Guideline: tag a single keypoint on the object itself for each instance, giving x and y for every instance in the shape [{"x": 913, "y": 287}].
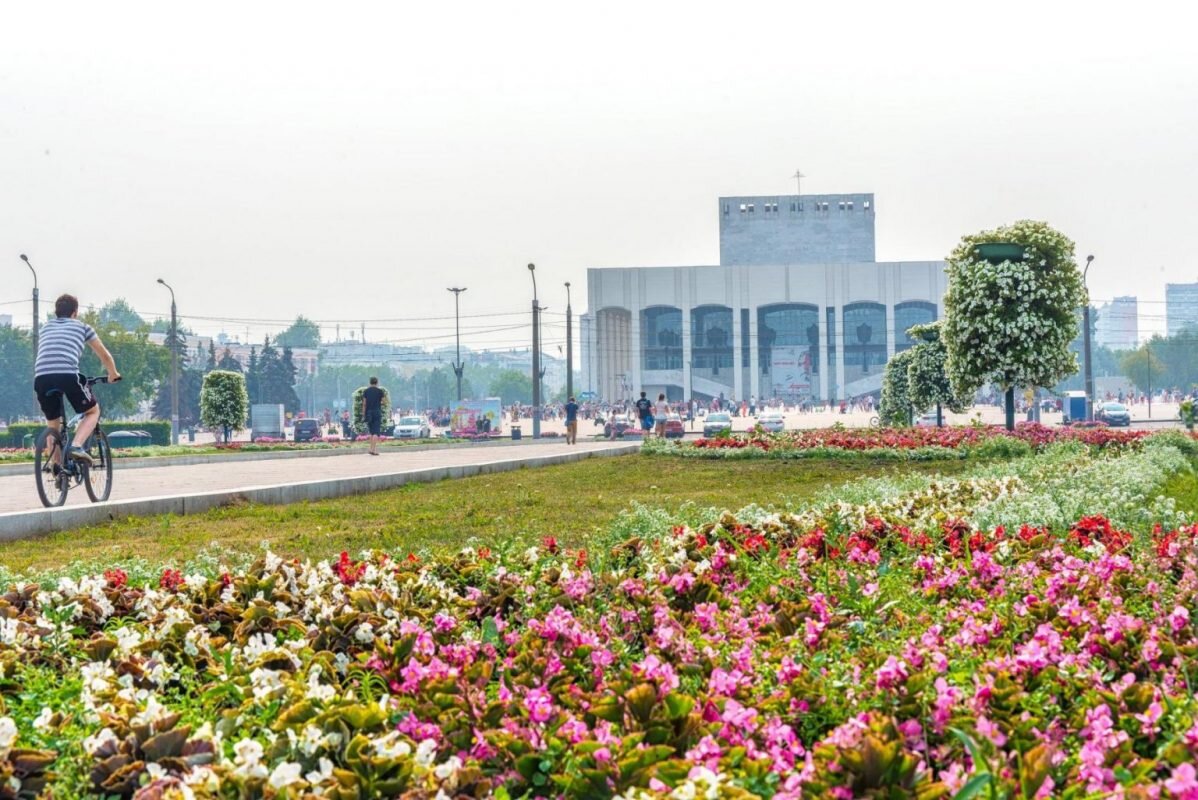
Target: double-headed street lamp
[
  {"x": 36, "y": 321},
  {"x": 458, "y": 366},
  {"x": 1089, "y": 367},
  {"x": 174, "y": 366},
  {"x": 569, "y": 345}
]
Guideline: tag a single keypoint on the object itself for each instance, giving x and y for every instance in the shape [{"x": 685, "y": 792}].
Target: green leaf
[
  {"x": 973, "y": 786},
  {"x": 491, "y": 632},
  {"x": 979, "y": 763},
  {"x": 679, "y": 705}
]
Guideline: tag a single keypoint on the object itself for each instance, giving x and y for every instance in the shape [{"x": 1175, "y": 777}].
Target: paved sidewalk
[{"x": 18, "y": 492}]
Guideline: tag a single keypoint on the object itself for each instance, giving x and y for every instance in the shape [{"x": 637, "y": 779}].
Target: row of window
[{"x": 795, "y": 207}]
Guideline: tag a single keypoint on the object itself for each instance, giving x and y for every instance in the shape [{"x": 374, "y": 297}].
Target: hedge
[{"x": 159, "y": 430}]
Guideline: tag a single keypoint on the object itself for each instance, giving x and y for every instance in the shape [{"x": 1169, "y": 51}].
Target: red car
[{"x": 674, "y": 427}]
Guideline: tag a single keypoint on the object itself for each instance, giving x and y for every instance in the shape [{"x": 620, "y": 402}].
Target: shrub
[{"x": 224, "y": 402}]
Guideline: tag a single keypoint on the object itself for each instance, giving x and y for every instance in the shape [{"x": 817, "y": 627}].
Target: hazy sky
[{"x": 350, "y": 161}]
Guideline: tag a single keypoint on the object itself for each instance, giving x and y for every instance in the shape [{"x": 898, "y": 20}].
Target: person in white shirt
[{"x": 660, "y": 410}]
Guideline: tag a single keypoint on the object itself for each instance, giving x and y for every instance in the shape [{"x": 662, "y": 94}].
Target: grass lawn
[{"x": 569, "y": 501}]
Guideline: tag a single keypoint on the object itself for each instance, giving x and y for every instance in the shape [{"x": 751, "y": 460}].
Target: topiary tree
[
  {"x": 359, "y": 420},
  {"x": 927, "y": 377},
  {"x": 1010, "y": 310},
  {"x": 224, "y": 402},
  {"x": 895, "y": 408}
]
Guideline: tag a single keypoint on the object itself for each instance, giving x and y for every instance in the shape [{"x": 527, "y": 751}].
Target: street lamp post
[
  {"x": 536, "y": 356},
  {"x": 174, "y": 366},
  {"x": 36, "y": 320},
  {"x": 458, "y": 366},
  {"x": 1086, "y": 346},
  {"x": 569, "y": 345}
]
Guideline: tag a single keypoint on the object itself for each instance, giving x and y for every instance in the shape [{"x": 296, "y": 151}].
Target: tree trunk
[
  {"x": 939, "y": 416},
  {"x": 1010, "y": 408}
]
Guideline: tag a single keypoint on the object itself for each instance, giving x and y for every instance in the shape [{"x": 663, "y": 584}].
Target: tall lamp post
[
  {"x": 569, "y": 345},
  {"x": 458, "y": 366},
  {"x": 1089, "y": 367},
  {"x": 36, "y": 320},
  {"x": 536, "y": 356},
  {"x": 174, "y": 366}
]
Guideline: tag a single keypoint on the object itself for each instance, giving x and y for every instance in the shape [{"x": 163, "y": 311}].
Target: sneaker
[{"x": 77, "y": 453}]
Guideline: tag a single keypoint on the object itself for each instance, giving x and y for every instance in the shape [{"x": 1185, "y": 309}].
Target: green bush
[
  {"x": 1001, "y": 447},
  {"x": 159, "y": 430}
]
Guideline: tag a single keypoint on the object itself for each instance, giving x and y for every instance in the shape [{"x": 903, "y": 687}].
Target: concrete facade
[
  {"x": 793, "y": 229},
  {"x": 1181, "y": 307}
]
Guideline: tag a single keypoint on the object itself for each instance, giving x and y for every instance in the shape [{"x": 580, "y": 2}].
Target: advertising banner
[
  {"x": 476, "y": 417},
  {"x": 790, "y": 371}
]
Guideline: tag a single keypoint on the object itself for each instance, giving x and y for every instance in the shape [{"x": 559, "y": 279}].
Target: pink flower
[
  {"x": 1179, "y": 619},
  {"x": 539, "y": 704},
  {"x": 1184, "y": 783},
  {"x": 891, "y": 674}
]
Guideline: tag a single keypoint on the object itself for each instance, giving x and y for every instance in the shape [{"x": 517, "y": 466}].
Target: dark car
[
  {"x": 1114, "y": 414},
  {"x": 307, "y": 430}
]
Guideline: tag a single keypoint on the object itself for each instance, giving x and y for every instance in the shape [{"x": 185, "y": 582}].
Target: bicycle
[{"x": 55, "y": 473}]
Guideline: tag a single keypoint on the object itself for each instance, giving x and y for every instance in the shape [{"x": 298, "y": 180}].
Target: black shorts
[
  {"x": 374, "y": 422},
  {"x": 52, "y": 388}
]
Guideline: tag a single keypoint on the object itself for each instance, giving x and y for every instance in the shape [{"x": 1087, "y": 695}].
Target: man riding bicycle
[{"x": 56, "y": 373}]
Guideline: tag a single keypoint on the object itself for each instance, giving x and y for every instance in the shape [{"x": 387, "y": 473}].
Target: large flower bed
[
  {"x": 881, "y": 645},
  {"x": 902, "y": 443}
]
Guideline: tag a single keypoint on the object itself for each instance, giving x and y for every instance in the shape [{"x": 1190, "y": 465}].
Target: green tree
[
  {"x": 253, "y": 374},
  {"x": 119, "y": 312},
  {"x": 141, "y": 363},
  {"x": 191, "y": 382},
  {"x": 1011, "y": 322},
  {"x": 210, "y": 364},
  {"x": 16, "y": 364},
  {"x": 1143, "y": 368},
  {"x": 895, "y": 409},
  {"x": 224, "y": 404},
  {"x": 512, "y": 386},
  {"x": 927, "y": 377},
  {"x": 228, "y": 362},
  {"x": 302, "y": 333}
]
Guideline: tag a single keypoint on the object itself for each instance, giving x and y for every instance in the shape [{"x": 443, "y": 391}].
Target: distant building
[
  {"x": 5, "y": 320},
  {"x": 797, "y": 308},
  {"x": 1118, "y": 324},
  {"x": 1181, "y": 307}
]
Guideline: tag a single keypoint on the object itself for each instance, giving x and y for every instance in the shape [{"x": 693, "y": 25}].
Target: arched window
[
  {"x": 711, "y": 329},
  {"x": 912, "y": 312},
  {"x": 864, "y": 339},
  {"x": 787, "y": 325},
  {"x": 661, "y": 337}
]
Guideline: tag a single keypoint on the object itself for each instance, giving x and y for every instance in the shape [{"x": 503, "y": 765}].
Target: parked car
[
  {"x": 926, "y": 420},
  {"x": 715, "y": 422},
  {"x": 1114, "y": 414},
  {"x": 307, "y": 430},
  {"x": 412, "y": 428},
  {"x": 771, "y": 421},
  {"x": 674, "y": 427}
]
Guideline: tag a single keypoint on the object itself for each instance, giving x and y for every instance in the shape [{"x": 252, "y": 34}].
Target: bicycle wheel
[
  {"x": 98, "y": 476},
  {"x": 52, "y": 485}
]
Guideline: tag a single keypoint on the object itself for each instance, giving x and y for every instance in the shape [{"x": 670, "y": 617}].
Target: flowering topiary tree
[
  {"x": 224, "y": 403},
  {"x": 895, "y": 407},
  {"x": 927, "y": 377},
  {"x": 1010, "y": 310}
]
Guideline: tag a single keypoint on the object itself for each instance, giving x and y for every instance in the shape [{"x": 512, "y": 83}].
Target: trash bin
[
  {"x": 515, "y": 432},
  {"x": 27, "y": 441},
  {"x": 191, "y": 434}
]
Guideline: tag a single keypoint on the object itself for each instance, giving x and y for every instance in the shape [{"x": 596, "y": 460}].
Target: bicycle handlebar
[{"x": 99, "y": 379}]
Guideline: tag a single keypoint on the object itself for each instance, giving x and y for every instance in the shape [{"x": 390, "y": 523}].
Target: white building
[
  {"x": 1118, "y": 324},
  {"x": 804, "y": 320}
]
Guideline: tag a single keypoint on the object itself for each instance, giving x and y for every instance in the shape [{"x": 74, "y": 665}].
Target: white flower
[
  {"x": 286, "y": 774},
  {"x": 8, "y": 735},
  {"x": 43, "y": 719},
  {"x": 248, "y": 757},
  {"x": 96, "y": 741},
  {"x": 425, "y": 752},
  {"x": 317, "y": 691},
  {"x": 448, "y": 768},
  {"x": 365, "y": 633},
  {"x": 391, "y": 746},
  {"x": 324, "y": 774},
  {"x": 266, "y": 683}
]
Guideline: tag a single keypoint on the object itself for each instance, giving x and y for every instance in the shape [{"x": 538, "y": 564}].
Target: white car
[
  {"x": 412, "y": 428},
  {"x": 771, "y": 421},
  {"x": 926, "y": 420}
]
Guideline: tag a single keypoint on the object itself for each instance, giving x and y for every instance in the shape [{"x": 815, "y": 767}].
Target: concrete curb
[
  {"x": 24, "y": 524},
  {"x": 26, "y": 467}
]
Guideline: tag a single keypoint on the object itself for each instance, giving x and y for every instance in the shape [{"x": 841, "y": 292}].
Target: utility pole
[
  {"x": 458, "y": 366},
  {"x": 174, "y": 366},
  {"x": 36, "y": 321},
  {"x": 1086, "y": 344},
  {"x": 798, "y": 176},
  {"x": 569, "y": 345},
  {"x": 536, "y": 356}
]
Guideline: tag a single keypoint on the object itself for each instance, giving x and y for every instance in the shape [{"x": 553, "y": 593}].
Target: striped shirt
[{"x": 60, "y": 344}]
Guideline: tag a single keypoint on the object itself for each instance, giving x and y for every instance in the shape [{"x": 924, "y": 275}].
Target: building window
[
  {"x": 866, "y": 205},
  {"x": 914, "y": 312},
  {"x": 725, "y": 209},
  {"x": 743, "y": 208},
  {"x": 745, "y": 351},
  {"x": 792, "y": 208},
  {"x": 800, "y": 206},
  {"x": 849, "y": 205},
  {"x": 750, "y": 208}
]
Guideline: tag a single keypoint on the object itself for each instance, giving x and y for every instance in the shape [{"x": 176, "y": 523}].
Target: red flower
[
  {"x": 348, "y": 571},
  {"x": 117, "y": 579},
  {"x": 171, "y": 580},
  {"x": 550, "y": 544}
]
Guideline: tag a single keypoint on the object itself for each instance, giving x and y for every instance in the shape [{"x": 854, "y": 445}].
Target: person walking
[
  {"x": 372, "y": 413},
  {"x": 644, "y": 413},
  {"x": 571, "y": 422},
  {"x": 660, "y": 411}
]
